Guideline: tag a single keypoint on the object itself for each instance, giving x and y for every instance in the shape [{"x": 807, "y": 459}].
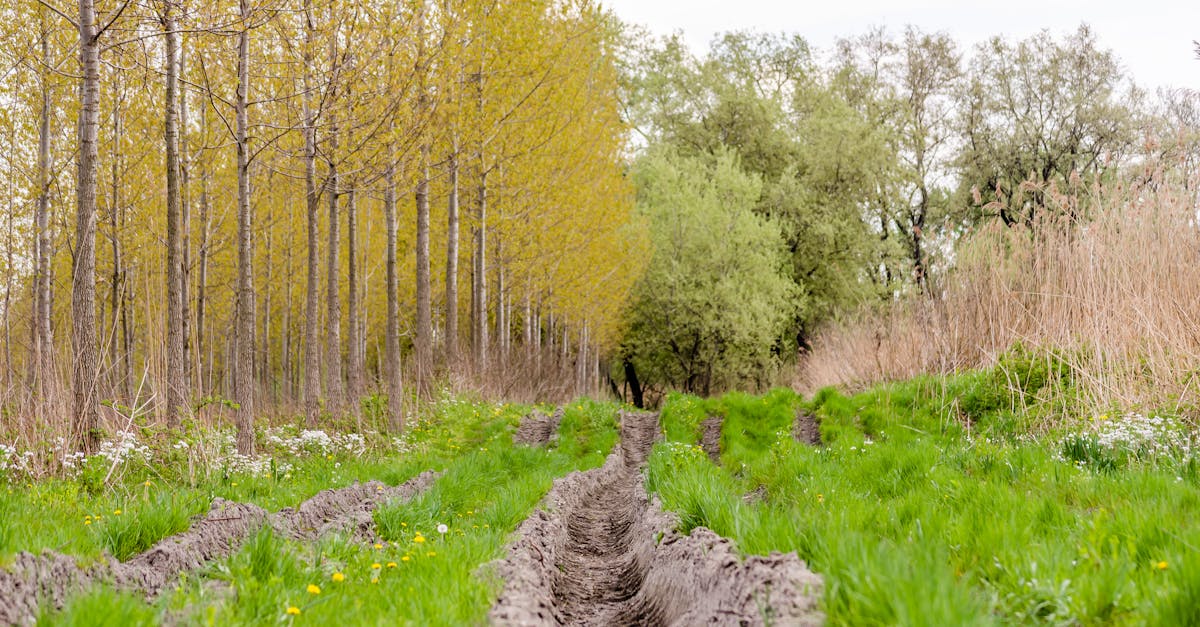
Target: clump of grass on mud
[{"x": 915, "y": 514}]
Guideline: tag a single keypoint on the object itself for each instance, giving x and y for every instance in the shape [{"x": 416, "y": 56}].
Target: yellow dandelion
[
  {"x": 419, "y": 538},
  {"x": 338, "y": 577},
  {"x": 378, "y": 546},
  {"x": 292, "y": 610},
  {"x": 376, "y": 566},
  {"x": 431, "y": 554},
  {"x": 313, "y": 588},
  {"x": 87, "y": 522},
  {"x": 820, "y": 498},
  {"x": 148, "y": 483},
  {"x": 405, "y": 558},
  {"x": 116, "y": 512},
  {"x": 234, "y": 484},
  {"x": 1161, "y": 565},
  {"x": 391, "y": 564},
  {"x": 374, "y": 579}
]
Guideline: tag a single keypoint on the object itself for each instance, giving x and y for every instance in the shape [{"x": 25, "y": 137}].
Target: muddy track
[
  {"x": 806, "y": 429},
  {"x": 51, "y": 577},
  {"x": 538, "y": 429},
  {"x": 603, "y": 553},
  {"x": 710, "y": 437}
]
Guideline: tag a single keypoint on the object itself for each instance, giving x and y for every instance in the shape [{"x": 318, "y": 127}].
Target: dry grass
[{"x": 1117, "y": 296}]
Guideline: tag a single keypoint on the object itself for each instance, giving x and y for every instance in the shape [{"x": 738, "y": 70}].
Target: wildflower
[
  {"x": 374, "y": 579},
  {"x": 116, "y": 512},
  {"x": 292, "y": 610},
  {"x": 431, "y": 554},
  {"x": 338, "y": 577},
  {"x": 378, "y": 546},
  {"x": 403, "y": 524},
  {"x": 391, "y": 564},
  {"x": 419, "y": 538},
  {"x": 820, "y": 498},
  {"x": 87, "y": 521},
  {"x": 148, "y": 483},
  {"x": 234, "y": 484},
  {"x": 313, "y": 588},
  {"x": 405, "y": 558},
  {"x": 1161, "y": 565},
  {"x": 376, "y": 566},
  {"x": 442, "y": 529}
]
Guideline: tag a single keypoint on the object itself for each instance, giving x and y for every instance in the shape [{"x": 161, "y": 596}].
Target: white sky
[{"x": 1153, "y": 38}]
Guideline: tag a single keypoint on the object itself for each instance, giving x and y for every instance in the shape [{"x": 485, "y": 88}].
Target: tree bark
[
  {"x": 312, "y": 353},
  {"x": 85, "y": 417},
  {"x": 244, "y": 388},
  {"x": 452, "y": 259},
  {"x": 354, "y": 330},
  {"x": 203, "y": 363},
  {"x": 42, "y": 364},
  {"x": 424, "y": 331},
  {"x": 395, "y": 389},
  {"x": 176, "y": 377},
  {"x": 335, "y": 388}
]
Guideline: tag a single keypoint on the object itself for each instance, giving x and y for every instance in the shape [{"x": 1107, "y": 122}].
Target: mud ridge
[
  {"x": 538, "y": 429},
  {"x": 710, "y": 437},
  {"x": 51, "y": 577},
  {"x": 603, "y": 553},
  {"x": 806, "y": 429}
]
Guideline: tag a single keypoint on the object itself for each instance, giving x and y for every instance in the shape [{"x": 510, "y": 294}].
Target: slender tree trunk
[
  {"x": 85, "y": 415},
  {"x": 117, "y": 287},
  {"x": 185, "y": 220},
  {"x": 333, "y": 307},
  {"x": 452, "y": 259},
  {"x": 265, "y": 361},
  {"x": 176, "y": 379},
  {"x": 480, "y": 273},
  {"x": 424, "y": 330},
  {"x": 203, "y": 374},
  {"x": 244, "y": 387},
  {"x": 354, "y": 330},
  {"x": 395, "y": 389},
  {"x": 312, "y": 353},
  {"x": 42, "y": 364}
]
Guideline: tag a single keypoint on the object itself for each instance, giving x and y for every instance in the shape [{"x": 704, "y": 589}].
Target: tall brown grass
[{"x": 1115, "y": 294}]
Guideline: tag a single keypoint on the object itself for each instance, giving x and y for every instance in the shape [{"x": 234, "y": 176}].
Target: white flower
[{"x": 442, "y": 529}]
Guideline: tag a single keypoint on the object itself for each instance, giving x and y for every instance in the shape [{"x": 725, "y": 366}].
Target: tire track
[{"x": 604, "y": 553}]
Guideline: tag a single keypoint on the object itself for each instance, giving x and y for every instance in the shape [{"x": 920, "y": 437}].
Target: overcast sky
[{"x": 1153, "y": 38}]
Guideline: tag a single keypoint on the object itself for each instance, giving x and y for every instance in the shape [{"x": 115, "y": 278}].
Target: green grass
[
  {"x": 912, "y": 521},
  {"x": 416, "y": 575}
]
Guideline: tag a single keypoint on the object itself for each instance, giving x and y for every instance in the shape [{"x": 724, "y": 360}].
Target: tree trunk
[
  {"x": 176, "y": 377},
  {"x": 480, "y": 273},
  {"x": 185, "y": 221},
  {"x": 42, "y": 364},
  {"x": 452, "y": 260},
  {"x": 395, "y": 389},
  {"x": 335, "y": 388},
  {"x": 203, "y": 363},
  {"x": 424, "y": 330},
  {"x": 244, "y": 387},
  {"x": 312, "y": 353},
  {"x": 85, "y": 418},
  {"x": 355, "y": 375}
]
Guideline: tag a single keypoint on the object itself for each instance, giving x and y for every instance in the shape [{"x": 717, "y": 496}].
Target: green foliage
[
  {"x": 715, "y": 298},
  {"x": 102, "y": 607}
]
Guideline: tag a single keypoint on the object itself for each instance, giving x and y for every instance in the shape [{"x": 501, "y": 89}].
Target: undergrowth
[{"x": 931, "y": 504}]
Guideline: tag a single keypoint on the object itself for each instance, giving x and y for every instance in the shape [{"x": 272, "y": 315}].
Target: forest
[{"x": 281, "y": 278}]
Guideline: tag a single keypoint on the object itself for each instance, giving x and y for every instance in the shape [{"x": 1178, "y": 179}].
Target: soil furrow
[
  {"x": 538, "y": 429},
  {"x": 806, "y": 429},
  {"x": 710, "y": 437},
  {"x": 51, "y": 577},
  {"x": 604, "y": 553}
]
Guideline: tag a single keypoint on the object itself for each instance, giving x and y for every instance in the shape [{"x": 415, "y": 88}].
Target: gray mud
[
  {"x": 710, "y": 437},
  {"x": 806, "y": 429},
  {"x": 51, "y": 577},
  {"x": 603, "y": 553},
  {"x": 538, "y": 429}
]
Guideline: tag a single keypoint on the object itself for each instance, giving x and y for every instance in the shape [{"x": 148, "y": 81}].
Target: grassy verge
[
  {"x": 929, "y": 506},
  {"x": 418, "y": 574}
]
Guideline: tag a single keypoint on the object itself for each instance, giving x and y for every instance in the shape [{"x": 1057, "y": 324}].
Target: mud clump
[
  {"x": 710, "y": 437},
  {"x": 538, "y": 429},
  {"x": 52, "y": 577},
  {"x": 806, "y": 429},
  {"x": 603, "y": 553}
]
